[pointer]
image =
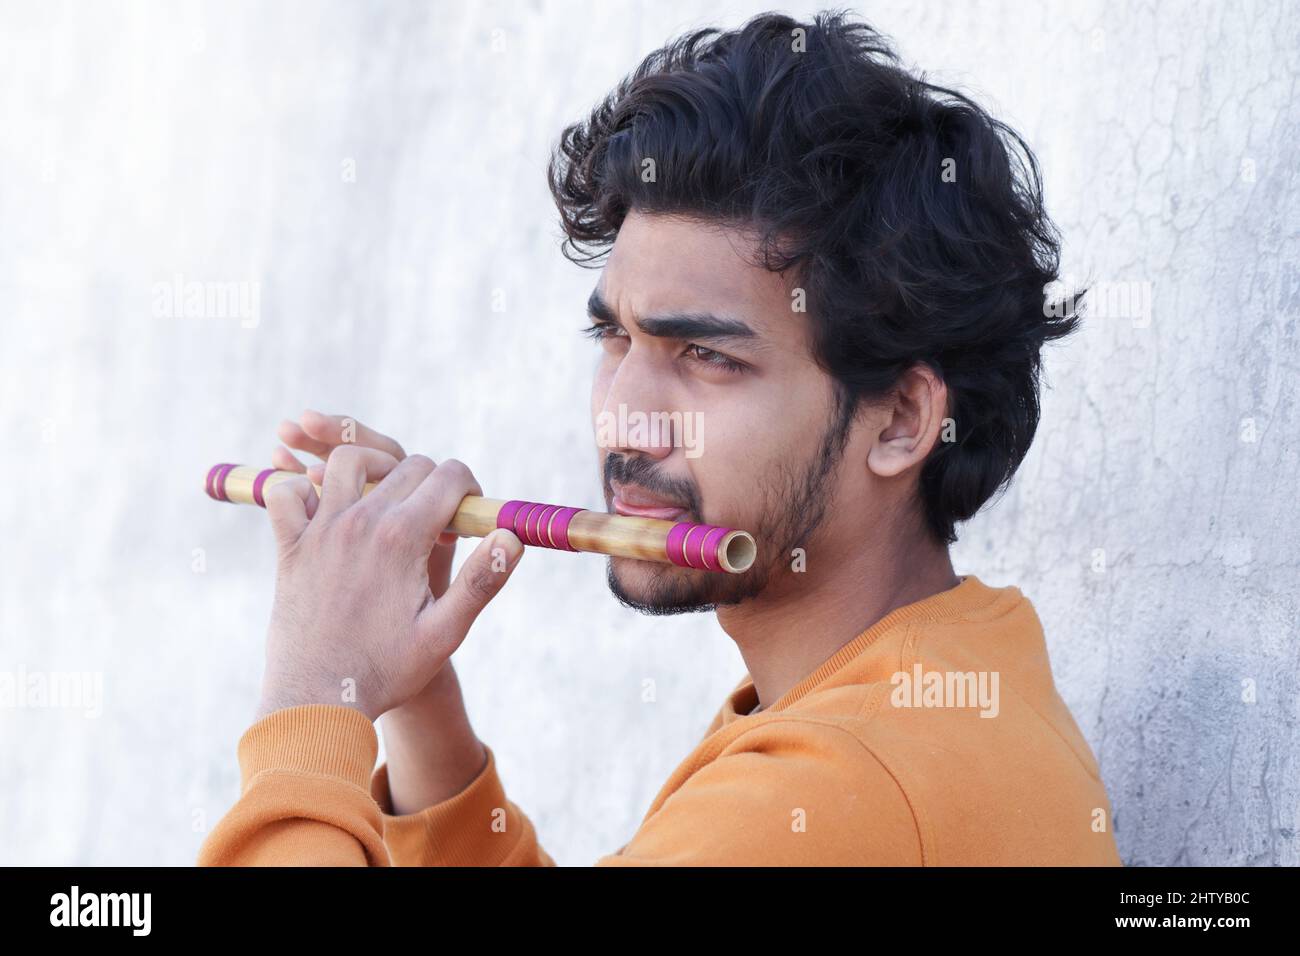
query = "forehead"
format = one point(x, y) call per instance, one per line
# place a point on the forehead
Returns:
point(662, 264)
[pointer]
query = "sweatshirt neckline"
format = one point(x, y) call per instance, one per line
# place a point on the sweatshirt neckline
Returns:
point(971, 594)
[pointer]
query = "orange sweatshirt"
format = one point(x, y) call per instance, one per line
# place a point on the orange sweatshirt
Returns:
point(936, 737)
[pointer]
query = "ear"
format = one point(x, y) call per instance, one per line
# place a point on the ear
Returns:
point(915, 419)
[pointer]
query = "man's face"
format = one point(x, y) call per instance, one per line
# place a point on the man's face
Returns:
point(707, 405)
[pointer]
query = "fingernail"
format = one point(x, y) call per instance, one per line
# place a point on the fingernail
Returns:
point(508, 543)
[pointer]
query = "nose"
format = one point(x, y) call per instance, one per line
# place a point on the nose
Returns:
point(636, 416)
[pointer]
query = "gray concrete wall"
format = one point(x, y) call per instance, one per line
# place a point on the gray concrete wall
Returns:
point(375, 172)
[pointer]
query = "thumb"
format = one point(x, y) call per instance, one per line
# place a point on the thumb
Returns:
point(484, 573)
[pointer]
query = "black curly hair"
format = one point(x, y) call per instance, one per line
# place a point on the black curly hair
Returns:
point(913, 220)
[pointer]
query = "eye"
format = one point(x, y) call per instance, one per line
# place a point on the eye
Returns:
point(603, 330)
point(706, 356)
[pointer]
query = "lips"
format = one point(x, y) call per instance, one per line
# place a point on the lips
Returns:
point(639, 503)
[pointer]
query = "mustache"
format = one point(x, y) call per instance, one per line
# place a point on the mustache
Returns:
point(639, 471)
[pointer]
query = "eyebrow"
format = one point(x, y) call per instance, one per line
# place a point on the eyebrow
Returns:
point(676, 325)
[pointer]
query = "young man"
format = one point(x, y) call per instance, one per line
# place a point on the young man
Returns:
point(839, 270)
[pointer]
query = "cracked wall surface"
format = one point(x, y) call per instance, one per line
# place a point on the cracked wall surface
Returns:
point(377, 172)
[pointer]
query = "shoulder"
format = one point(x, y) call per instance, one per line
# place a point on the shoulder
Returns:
point(790, 790)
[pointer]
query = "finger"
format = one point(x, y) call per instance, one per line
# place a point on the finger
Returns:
point(344, 430)
point(447, 620)
point(430, 507)
point(284, 460)
point(377, 463)
point(290, 505)
point(402, 479)
point(345, 477)
point(291, 434)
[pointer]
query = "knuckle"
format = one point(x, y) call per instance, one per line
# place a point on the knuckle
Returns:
point(456, 472)
point(354, 524)
point(391, 532)
point(346, 454)
point(422, 462)
point(483, 583)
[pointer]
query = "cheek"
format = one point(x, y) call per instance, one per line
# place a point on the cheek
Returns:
point(726, 468)
point(751, 447)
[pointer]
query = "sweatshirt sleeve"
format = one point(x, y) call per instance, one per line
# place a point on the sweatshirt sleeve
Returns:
point(479, 826)
point(790, 792)
point(310, 796)
point(303, 793)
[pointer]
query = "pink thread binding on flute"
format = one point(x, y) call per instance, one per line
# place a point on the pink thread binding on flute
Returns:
point(219, 483)
point(539, 525)
point(696, 545)
point(211, 481)
point(258, 483)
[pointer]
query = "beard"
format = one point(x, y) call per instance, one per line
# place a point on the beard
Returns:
point(792, 500)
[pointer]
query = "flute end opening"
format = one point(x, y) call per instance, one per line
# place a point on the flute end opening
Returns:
point(737, 552)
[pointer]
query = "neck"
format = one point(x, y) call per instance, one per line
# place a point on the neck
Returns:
point(802, 618)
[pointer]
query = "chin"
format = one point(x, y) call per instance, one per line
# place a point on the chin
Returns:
point(654, 588)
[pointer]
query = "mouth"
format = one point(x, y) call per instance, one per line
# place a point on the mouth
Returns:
point(636, 502)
